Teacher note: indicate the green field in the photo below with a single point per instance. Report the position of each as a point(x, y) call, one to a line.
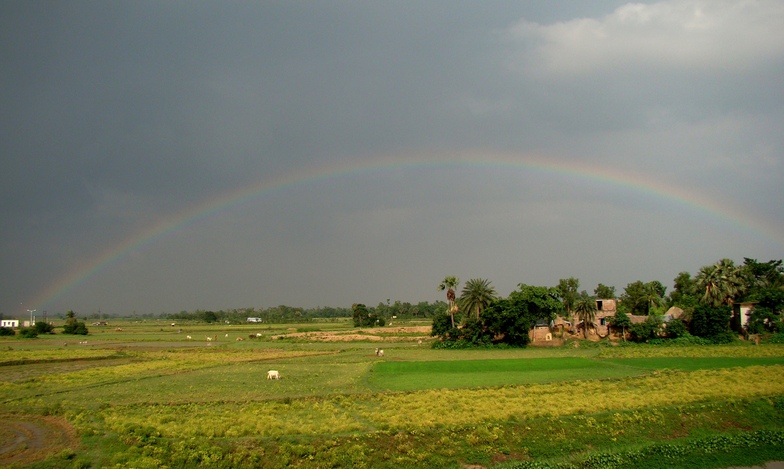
point(147, 396)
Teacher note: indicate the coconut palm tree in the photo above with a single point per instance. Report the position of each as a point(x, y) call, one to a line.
point(449, 284)
point(585, 307)
point(477, 294)
point(720, 283)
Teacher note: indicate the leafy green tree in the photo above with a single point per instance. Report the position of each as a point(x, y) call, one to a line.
point(721, 283)
point(477, 294)
point(684, 294)
point(442, 327)
point(28, 333)
point(635, 298)
point(645, 331)
point(621, 321)
point(364, 317)
point(74, 326)
point(42, 327)
point(763, 275)
point(210, 317)
point(567, 290)
point(604, 292)
point(360, 313)
point(585, 307)
point(449, 284)
point(766, 314)
point(676, 328)
point(710, 321)
point(510, 320)
point(654, 292)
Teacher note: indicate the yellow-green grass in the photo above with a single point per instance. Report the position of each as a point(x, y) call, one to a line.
point(153, 404)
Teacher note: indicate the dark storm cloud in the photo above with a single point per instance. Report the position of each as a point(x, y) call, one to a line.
point(117, 116)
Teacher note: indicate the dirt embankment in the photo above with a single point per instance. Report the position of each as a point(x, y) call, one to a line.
point(25, 439)
point(379, 334)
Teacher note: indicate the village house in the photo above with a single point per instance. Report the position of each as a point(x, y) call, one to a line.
point(12, 323)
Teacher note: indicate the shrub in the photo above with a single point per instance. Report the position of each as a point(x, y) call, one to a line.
point(28, 333)
point(709, 321)
point(6, 331)
point(42, 327)
point(73, 326)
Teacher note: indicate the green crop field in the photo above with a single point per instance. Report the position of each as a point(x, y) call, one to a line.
point(142, 394)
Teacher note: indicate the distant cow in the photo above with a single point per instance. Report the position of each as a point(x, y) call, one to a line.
point(273, 374)
point(380, 353)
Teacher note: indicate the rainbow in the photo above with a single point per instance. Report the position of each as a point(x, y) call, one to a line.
point(471, 159)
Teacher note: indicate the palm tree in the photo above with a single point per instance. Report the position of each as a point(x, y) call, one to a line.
point(477, 294)
point(720, 283)
point(449, 284)
point(585, 307)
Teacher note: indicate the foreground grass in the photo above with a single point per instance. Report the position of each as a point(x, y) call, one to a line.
point(339, 405)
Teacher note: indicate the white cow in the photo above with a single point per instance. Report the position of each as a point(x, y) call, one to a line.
point(380, 353)
point(273, 374)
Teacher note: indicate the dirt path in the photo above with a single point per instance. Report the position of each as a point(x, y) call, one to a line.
point(25, 438)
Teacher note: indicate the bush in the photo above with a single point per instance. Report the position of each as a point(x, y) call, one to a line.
point(6, 331)
point(42, 327)
point(28, 333)
point(709, 321)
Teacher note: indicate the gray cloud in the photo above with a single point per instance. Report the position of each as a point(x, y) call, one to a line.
point(115, 118)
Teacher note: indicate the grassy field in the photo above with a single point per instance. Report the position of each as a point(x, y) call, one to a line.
point(142, 394)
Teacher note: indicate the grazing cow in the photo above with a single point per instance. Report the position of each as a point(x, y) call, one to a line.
point(380, 353)
point(188, 337)
point(273, 374)
point(209, 339)
point(227, 334)
point(240, 338)
point(258, 334)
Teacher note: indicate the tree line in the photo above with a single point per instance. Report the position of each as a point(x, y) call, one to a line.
point(480, 317)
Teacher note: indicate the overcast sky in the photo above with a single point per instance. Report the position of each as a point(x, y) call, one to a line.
point(388, 144)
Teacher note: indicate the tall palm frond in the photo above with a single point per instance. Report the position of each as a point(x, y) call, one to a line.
point(477, 294)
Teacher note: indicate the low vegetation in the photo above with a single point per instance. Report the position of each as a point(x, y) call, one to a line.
point(141, 394)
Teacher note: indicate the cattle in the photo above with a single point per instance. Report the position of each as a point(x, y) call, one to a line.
point(380, 353)
point(273, 374)
point(209, 339)
point(240, 338)
point(188, 337)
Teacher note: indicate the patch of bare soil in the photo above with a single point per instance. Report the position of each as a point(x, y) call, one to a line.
point(25, 439)
point(379, 334)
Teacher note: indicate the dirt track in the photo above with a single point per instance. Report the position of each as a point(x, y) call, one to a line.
point(25, 439)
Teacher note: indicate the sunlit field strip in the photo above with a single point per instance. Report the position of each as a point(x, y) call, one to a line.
point(73, 353)
point(446, 408)
point(741, 350)
point(149, 364)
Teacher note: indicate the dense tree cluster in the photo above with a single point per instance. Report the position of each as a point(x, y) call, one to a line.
point(479, 317)
point(73, 325)
point(504, 320)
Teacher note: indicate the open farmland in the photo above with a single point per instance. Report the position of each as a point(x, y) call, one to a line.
point(147, 396)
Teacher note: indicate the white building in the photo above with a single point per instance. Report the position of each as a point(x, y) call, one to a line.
point(12, 323)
